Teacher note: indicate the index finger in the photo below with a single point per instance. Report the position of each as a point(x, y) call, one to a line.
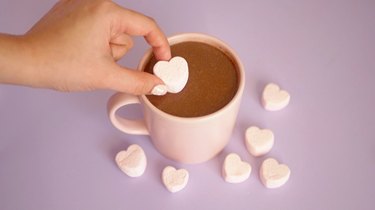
point(133, 23)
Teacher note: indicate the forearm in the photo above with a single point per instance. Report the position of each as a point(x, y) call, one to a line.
point(17, 65)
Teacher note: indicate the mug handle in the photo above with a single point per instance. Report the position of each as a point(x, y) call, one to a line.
point(118, 100)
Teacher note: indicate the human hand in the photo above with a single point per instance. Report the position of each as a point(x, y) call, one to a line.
point(75, 46)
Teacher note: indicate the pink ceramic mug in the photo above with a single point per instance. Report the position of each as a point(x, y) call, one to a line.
point(186, 140)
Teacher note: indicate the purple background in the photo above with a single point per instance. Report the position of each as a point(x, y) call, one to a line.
point(57, 149)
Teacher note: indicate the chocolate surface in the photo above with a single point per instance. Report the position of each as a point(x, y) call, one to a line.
point(212, 83)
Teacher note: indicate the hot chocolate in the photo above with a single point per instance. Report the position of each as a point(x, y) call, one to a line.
point(213, 81)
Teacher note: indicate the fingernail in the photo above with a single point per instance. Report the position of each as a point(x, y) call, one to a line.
point(159, 90)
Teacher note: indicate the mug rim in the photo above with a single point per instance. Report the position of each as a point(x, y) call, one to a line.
point(223, 47)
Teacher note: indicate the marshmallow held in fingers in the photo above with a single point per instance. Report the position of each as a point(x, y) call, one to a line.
point(273, 174)
point(174, 73)
point(235, 170)
point(259, 141)
point(273, 98)
point(175, 180)
point(132, 161)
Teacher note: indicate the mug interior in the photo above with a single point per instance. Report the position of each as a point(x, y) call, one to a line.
point(206, 39)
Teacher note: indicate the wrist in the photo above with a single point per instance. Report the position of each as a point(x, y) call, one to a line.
point(17, 62)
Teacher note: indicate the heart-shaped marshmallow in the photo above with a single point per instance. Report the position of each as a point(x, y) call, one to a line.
point(259, 141)
point(273, 174)
point(132, 161)
point(175, 180)
point(235, 170)
point(174, 73)
point(273, 98)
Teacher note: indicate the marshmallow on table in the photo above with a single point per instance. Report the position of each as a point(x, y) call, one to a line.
point(273, 98)
point(175, 180)
point(259, 141)
point(273, 174)
point(132, 161)
point(174, 73)
point(234, 169)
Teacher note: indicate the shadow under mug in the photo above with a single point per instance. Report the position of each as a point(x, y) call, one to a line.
point(186, 140)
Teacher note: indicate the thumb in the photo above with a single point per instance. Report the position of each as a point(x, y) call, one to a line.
point(131, 81)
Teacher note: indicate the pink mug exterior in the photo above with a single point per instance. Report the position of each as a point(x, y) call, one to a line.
point(186, 140)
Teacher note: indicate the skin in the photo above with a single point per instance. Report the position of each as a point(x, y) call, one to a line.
point(75, 46)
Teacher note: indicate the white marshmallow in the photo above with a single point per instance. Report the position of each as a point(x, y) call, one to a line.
point(273, 98)
point(175, 180)
point(174, 73)
point(259, 141)
point(132, 161)
point(273, 174)
point(235, 170)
